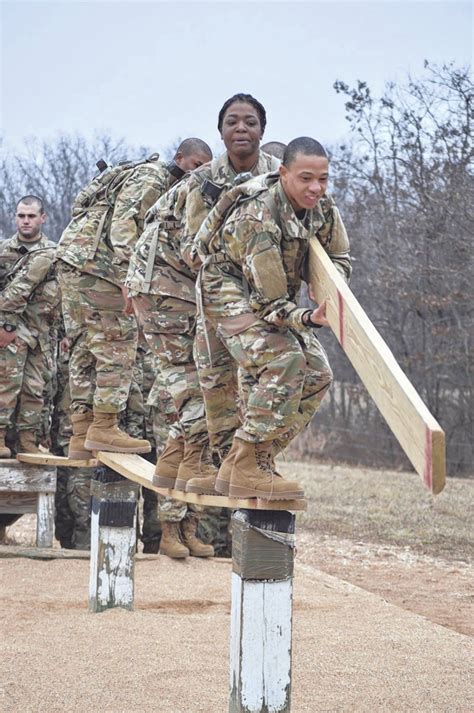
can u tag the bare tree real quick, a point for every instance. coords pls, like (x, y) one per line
(406, 188)
(56, 170)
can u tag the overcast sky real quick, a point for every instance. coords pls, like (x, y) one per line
(154, 71)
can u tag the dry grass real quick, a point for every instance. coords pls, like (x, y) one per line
(387, 507)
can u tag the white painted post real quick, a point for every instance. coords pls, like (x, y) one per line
(113, 541)
(45, 520)
(261, 621)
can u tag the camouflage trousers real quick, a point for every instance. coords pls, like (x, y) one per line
(168, 324)
(103, 341)
(72, 504)
(290, 372)
(25, 376)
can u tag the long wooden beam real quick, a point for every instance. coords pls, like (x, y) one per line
(141, 471)
(417, 431)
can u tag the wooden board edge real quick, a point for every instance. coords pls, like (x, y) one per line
(58, 461)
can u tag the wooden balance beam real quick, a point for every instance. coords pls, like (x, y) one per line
(141, 471)
(58, 461)
(417, 431)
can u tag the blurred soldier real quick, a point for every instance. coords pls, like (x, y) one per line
(29, 310)
(274, 148)
(179, 521)
(72, 499)
(254, 247)
(93, 257)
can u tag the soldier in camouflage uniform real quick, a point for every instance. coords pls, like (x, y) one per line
(254, 247)
(29, 310)
(72, 499)
(177, 520)
(162, 277)
(93, 259)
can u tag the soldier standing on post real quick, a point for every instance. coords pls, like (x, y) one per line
(29, 311)
(254, 247)
(93, 255)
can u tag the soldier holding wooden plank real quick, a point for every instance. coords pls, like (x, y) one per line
(254, 246)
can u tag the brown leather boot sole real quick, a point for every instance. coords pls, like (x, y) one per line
(193, 486)
(162, 482)
(237, 491)
(222, 486)
(98, 446)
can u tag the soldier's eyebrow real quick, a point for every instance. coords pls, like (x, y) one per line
(26, 215)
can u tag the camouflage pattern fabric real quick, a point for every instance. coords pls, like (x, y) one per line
(99, 240)
(29, 299)
(169, 326)
(72, 498)
(249, 298)
(103, 341)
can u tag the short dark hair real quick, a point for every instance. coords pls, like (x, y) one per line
(274, 148)
(245, 99)
(302, 145)
(29, 200)
(189, 146)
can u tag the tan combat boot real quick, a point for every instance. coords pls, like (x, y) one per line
(104, 435)
(193, 543)
(225, 471)
(196, 464)
(170, 544)
(5, 452)
(27, 442)
(80, 423)
(253, 475)
(166, 469)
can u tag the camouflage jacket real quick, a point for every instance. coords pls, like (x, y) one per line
(156, 266)
(256, 255)
(100, 240)
(205, 186)
(30, 298)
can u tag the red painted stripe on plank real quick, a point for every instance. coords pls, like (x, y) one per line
(428, 472)
(340, 300)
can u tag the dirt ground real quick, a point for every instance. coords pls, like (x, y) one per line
(380, 566)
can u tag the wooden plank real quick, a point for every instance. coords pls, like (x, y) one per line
(141, 471)
(50, 459)
(45, 520)
(417, 431)
(26, 478)
(41, 553)
(18, 503)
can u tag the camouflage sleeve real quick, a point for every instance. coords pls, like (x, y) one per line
(15, 295)
(338, 247)
(264, 272)
(138, 194)
(196, 211)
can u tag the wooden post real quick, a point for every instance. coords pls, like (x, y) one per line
(28, 489)
(113, 541)
(261, 620)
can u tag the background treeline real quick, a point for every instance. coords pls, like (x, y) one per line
(404, 182)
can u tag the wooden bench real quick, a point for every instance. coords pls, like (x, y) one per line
(29, 489)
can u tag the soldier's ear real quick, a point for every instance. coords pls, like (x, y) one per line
(43, 218)
(282, 170)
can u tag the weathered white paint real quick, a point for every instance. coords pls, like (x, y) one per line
(21, 477)
(261, 645)
(112, 564)
(45, 520)
(235, 632)
(94, 561)
(115, 572)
